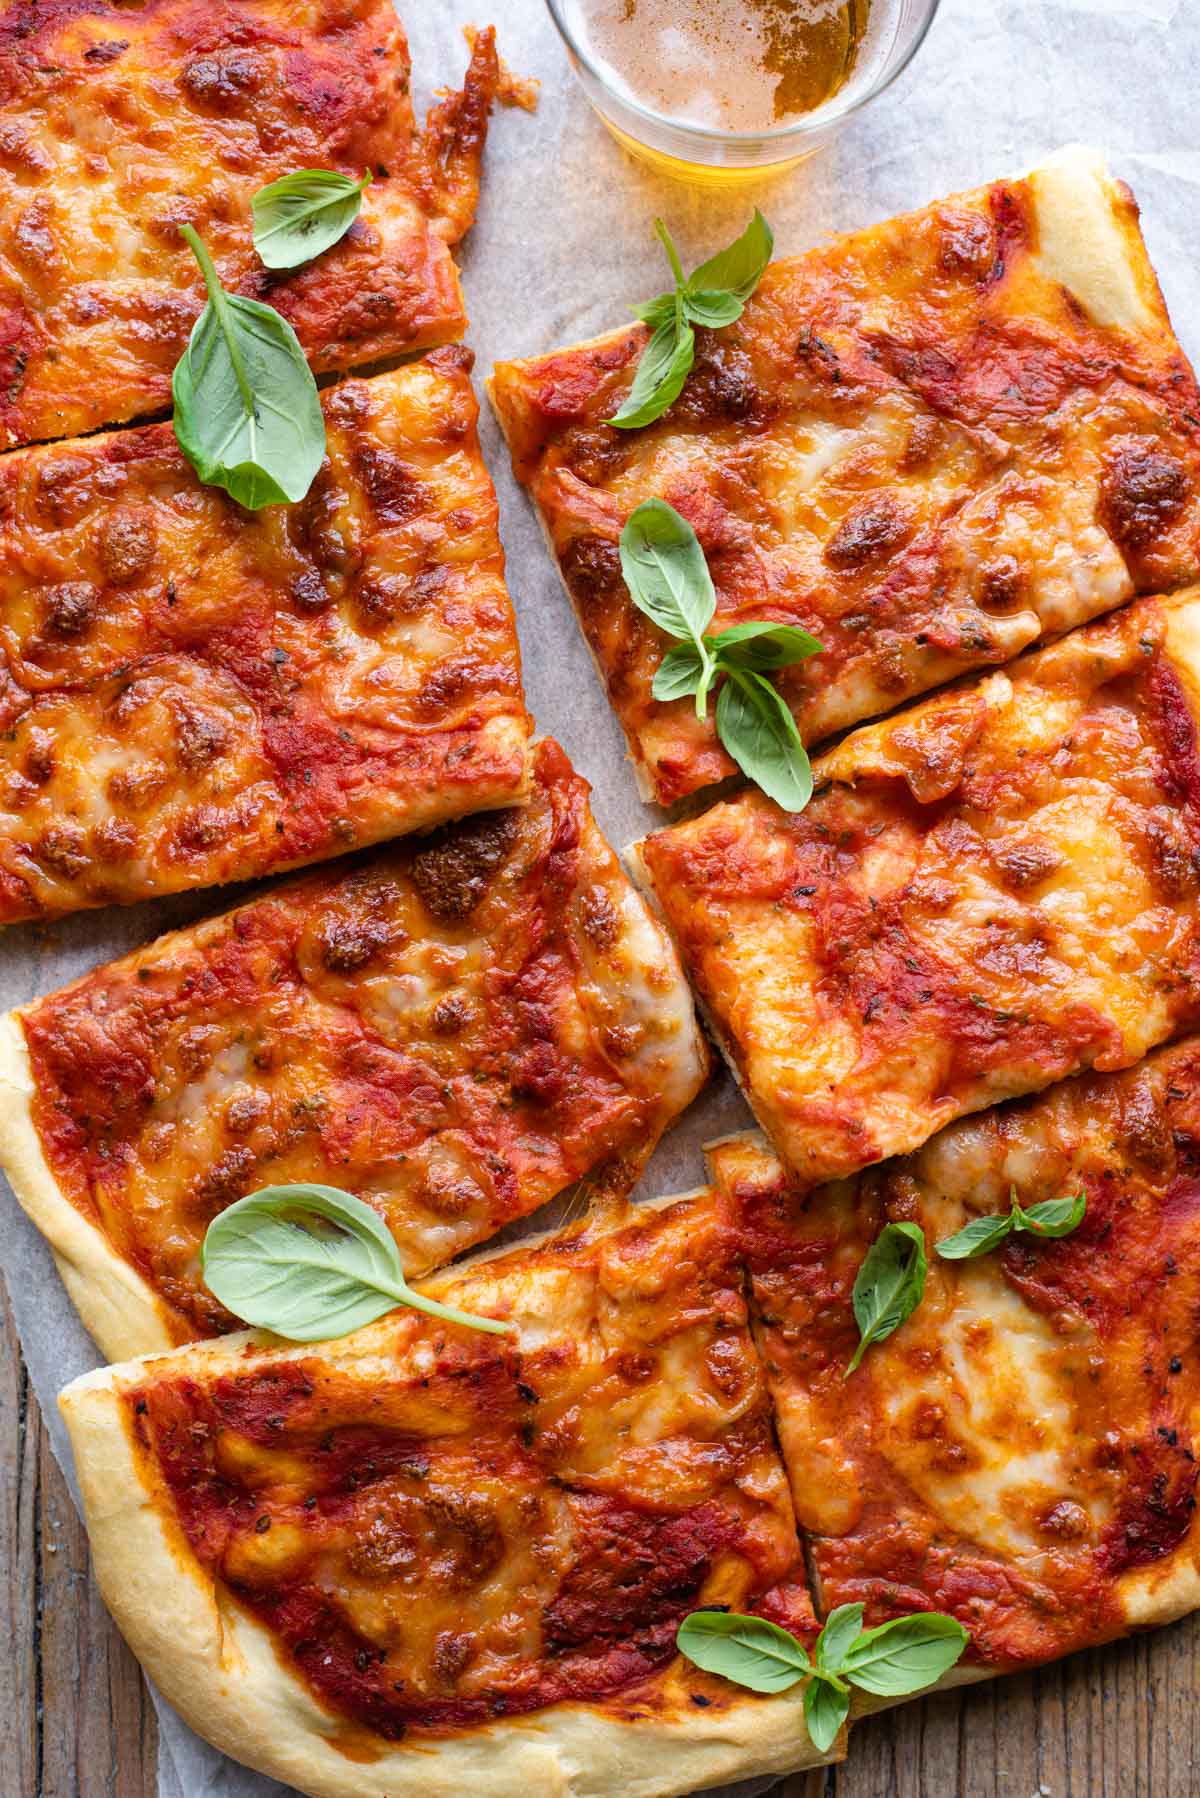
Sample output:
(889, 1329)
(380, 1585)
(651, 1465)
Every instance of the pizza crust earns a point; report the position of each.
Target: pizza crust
(1090, 244)
(118, 1308)
(220, 1670)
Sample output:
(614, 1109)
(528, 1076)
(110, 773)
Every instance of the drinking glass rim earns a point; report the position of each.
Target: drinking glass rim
(822, 116)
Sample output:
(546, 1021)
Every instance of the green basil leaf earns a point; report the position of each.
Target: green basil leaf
(741, 267)
(760, 734)
(712, 309)
(247, 415)
(906, 1654)
(825, 1711)
(664, 367)
(763, 645)
(301, 214)
(665, 570)
(679, 673)
(311, 1262)
(657, 312)
(714, 296)
(842, 1627)
(889, 1286)
(748, 1650)
(979, 1237)
(1053, 1217)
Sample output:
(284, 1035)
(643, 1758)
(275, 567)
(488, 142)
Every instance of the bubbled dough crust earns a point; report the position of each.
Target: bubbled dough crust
(120, 1311)
(220, 1670)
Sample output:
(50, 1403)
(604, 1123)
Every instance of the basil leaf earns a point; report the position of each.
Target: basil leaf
(1053, 1217)
(311, 1262)
(889, 1286)
(748, 1650)
(247, 415)
(906, 1654)
(825, 1709)
(301, 214)
(842, 1627)
(763, 645)
(661, 373)
(760, 734)
(656, 312)
(712, 309)
(665, 570)
(979, 1237)
(679, 673)
(714, 296)
(741, 267)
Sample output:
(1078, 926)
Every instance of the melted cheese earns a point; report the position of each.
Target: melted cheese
(990, 891)
(524, 1520)
(196, 693)
(1020, 1451)
(117, 124)
(919, 443)
(457, 1031)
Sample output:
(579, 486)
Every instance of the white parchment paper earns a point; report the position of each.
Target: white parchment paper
(562, 244)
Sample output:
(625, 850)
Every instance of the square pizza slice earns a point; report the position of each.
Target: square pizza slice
(990, 891)
(1021, 1452)
(421, 1559)
(928, 444)
(455, 1030)
(120, 123)
(192, 693)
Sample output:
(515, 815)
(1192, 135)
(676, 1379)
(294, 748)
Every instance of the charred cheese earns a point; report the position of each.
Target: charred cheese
(929, 444)
(990, 891)
(1022, 1451)
(456, 1030)
(193, 693)
(119, 123)
(422, 1557)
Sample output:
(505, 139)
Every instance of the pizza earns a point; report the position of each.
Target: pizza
(422, 1558)
(989, 892)
(1021, 1453)
(928, 444)
(119, 123)
(193, 693)
(456, 1030)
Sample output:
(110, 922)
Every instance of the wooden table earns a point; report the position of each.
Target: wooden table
(76, 1722)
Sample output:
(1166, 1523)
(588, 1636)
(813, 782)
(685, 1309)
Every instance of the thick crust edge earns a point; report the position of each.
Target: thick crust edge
(220, 1670)
(120, 1311)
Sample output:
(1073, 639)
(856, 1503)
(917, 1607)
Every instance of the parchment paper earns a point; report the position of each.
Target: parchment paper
(562, 245)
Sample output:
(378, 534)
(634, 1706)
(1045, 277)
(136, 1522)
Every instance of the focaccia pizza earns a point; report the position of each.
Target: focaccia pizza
(929, 444)
(119, 123)
(990, 891)
(456, 1030)
(1022, 1451)
(423, 1560)
(193, 693)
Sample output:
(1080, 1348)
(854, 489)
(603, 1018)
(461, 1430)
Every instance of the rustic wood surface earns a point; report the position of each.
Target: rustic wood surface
(76, 1722)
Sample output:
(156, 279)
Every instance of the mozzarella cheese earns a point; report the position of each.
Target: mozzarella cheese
(921, 443)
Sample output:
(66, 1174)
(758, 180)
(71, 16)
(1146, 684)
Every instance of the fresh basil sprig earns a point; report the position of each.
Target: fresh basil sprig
(889, 1286)
(247, 415)
(889, 1661)
(668, 579)
(311, 1262)
(714, 296)
(304, 213)
(1053, 1218)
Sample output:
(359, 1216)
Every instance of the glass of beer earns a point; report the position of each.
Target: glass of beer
(715, 89)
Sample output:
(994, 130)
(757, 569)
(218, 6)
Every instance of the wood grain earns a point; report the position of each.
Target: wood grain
(76, 1722)
(75, 1717)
